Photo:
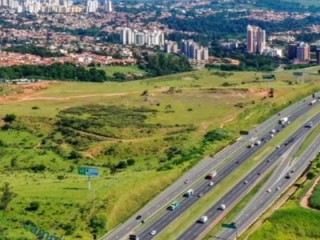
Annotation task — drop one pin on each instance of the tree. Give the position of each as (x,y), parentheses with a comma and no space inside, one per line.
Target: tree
(6,196)
(98,224)
(33,206)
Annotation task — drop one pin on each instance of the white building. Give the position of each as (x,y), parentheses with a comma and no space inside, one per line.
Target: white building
(92,6)
(147,37)
(107,6)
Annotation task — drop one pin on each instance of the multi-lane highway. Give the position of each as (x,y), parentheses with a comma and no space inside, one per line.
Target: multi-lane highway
(198,230)
(202,169)
(164,220)
(269,194)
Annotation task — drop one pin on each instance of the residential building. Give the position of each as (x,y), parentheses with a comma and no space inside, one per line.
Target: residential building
(194,51)
(303,52)
(256,39)
(108,6)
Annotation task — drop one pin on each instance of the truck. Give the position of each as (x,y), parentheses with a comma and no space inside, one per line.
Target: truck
(222,207)
(283,120)
(203,219)
(212,175)
(313,102)
(174,205)
(189,193)
(133,237)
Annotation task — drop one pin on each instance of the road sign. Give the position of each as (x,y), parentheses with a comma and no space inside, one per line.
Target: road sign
(230,226)
(92,172)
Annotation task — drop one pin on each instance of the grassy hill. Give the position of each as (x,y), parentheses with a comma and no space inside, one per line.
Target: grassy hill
(142,135)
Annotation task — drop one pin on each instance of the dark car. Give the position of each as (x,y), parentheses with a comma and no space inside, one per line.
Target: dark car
(138,217)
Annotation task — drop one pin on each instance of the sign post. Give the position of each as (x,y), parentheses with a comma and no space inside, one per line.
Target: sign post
(90,172)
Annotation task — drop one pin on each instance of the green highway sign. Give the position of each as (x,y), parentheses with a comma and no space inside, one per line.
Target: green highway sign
(231,225)
(93,172)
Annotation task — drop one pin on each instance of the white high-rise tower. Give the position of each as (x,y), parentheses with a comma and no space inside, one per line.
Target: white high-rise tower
(92,6)
(108,6)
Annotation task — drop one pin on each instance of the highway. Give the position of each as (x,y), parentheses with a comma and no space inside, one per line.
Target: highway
(164,220)
(200,170)
(198,230)
(264,199)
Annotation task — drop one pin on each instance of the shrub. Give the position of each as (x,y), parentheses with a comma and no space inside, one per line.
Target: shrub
(9,118)
(33,206)
(38,168)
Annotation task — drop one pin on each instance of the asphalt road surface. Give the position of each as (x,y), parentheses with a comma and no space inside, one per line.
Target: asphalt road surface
(269,194)
(197,229)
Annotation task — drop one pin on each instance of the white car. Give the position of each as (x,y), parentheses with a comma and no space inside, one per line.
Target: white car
(278,188)
(186,181)
(153,232)
(210,183)
(269,190)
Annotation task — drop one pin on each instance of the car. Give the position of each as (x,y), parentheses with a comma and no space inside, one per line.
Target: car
(186,181)
(278,147)
(277,188)
(138,217)
(210,183)
(222,207)
(259,173)
(153,232)
(200,194)
(271,135)
(292,170)
(269,190)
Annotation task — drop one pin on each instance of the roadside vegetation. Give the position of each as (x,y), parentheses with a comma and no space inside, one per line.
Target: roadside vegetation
(142,135)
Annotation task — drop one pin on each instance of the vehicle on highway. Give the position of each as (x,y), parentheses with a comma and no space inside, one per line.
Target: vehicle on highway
(271,135)
(210,183)
(153,232)
(277,188)
(189,193)
(289,175)
(200,194)
(245,182)
(133,237)
(251,145)
(273,131)
(203,219)
(138,217)
(212,175)
(186,181)
(222,207)
(309,125)
(278,147)
(174,205)
(257,143)
(283,120)
(313,102)
(269,190)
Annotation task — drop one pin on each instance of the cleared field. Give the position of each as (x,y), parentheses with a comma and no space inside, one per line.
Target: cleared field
(171,117)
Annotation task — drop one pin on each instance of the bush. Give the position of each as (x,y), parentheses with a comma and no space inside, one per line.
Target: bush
(131,162)
(33,206)
(122,165)
(216,135)
(98,224)
(38,168)
(9,118)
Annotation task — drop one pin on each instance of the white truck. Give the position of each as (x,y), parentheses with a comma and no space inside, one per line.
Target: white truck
(222,207)
(189,193)
(313,102)
(203,219)
(283,120)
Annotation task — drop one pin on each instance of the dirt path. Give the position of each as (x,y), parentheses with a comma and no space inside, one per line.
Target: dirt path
(305,200)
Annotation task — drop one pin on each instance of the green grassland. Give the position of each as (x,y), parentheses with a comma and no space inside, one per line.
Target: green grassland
(142,135)
(315,198)
(292,221)
(110,70)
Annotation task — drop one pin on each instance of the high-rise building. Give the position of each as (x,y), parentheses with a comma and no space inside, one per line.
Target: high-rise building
(292,51)
(171,47)
(92,6)
(193,50)
(256,39)
(303,52)
(148,38)
(107,6)
(318,55)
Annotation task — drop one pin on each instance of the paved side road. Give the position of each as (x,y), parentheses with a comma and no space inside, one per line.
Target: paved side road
(195,173)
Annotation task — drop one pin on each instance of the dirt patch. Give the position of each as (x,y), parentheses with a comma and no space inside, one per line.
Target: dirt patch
(305,200)
(227,120)
(25,90)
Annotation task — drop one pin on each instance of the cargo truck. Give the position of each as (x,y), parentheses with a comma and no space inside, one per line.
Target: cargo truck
(189,193)
(212,175)
(283,120)
(313,102)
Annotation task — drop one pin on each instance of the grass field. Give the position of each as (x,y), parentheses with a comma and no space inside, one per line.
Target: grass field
(110,70)
(167,141)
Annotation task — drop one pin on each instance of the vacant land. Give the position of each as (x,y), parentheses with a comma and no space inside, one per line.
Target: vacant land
(142,135)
